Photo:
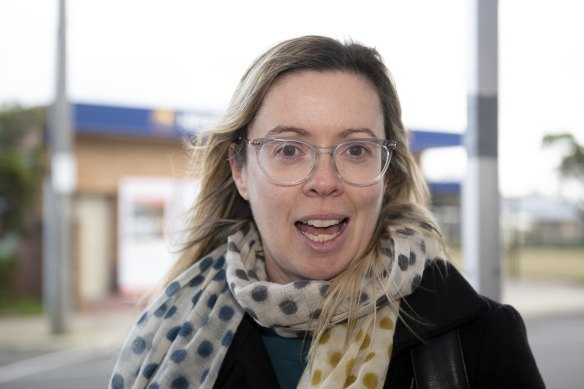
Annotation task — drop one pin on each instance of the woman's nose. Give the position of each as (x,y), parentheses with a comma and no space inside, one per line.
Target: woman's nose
(324,179)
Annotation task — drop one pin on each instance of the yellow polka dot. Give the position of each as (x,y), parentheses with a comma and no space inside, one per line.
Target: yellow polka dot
(316,377)
(386,323)
(369,357)
(334,358)
(349,367)
(359,336)
(370,380)
(325,337)
(366,342)
(350,380)
(390,350)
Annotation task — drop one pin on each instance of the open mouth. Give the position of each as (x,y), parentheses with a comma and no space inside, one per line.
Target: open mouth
(321,230)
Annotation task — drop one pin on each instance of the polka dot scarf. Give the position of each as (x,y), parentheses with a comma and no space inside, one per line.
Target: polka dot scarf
(180,341)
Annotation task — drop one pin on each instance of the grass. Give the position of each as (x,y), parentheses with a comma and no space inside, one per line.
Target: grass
(540,262)
(19,306)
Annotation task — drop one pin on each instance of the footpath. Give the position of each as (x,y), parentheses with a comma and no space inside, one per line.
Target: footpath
(103,326)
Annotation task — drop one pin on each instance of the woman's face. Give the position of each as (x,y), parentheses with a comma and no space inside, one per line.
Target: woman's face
(323,108)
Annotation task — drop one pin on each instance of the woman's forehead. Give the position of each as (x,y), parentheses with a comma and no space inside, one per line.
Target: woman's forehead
(311,102)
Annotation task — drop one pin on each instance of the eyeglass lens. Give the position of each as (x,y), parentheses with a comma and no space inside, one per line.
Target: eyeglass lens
(289,162)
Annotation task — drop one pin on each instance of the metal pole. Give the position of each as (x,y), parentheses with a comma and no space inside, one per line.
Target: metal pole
(57,198)
(480,201)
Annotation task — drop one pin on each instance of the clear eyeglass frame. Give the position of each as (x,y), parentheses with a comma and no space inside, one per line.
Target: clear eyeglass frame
(388,146)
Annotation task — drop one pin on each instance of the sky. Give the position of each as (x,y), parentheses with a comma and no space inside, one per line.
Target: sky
(185,54)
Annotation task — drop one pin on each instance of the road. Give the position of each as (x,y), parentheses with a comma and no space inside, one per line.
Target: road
(558,345)
(557,342)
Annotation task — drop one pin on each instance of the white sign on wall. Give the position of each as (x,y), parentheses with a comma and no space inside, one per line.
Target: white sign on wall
(152,213)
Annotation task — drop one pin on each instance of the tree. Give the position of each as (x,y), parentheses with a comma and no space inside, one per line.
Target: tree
(572,164)
(21,131)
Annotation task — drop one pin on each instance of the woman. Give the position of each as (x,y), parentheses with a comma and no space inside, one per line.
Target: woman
(312,261)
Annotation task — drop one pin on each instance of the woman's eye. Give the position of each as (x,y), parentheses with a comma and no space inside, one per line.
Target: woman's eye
(356,150)
(289,150)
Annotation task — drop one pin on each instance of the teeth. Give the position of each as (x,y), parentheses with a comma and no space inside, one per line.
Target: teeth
(321,237)
(322,223)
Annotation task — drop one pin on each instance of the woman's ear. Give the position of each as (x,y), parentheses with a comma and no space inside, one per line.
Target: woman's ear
(238,172)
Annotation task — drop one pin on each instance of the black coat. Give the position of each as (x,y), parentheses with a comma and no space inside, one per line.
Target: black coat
(493,336)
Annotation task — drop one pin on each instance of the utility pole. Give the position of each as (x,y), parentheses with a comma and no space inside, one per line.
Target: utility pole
(58,190)
(480,201)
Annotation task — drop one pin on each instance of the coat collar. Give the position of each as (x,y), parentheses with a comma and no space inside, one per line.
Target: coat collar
(443,301)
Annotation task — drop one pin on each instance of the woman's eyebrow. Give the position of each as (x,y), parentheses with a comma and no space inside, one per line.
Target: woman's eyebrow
(279,130)
(351,131)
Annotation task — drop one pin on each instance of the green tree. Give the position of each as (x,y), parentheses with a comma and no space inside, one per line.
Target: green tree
(572,163)
(21,131)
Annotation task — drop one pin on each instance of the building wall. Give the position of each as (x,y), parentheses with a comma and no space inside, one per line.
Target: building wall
(101,163)
(95,248)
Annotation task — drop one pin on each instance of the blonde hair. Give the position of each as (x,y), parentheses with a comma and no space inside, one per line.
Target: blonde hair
(220,211)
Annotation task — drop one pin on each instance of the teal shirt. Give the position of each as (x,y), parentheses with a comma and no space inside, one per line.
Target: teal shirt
(288,357)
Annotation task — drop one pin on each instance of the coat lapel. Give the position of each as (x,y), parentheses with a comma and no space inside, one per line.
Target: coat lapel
(443,301)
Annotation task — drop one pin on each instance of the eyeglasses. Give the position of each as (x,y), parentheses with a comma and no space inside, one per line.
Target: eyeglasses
(358,162)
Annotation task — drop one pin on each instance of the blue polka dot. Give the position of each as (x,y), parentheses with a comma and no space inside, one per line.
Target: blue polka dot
(381,301)
(172,288)
(412,258)
(289,307)
(205,263)
(117,382)
(198,280)
(171,312)
(416,282)
(301,284)
(196,297)
(259,293)
(406,231)
(138,345)
(180,383)
(212,300)
(178,356)
(204,376)
(186,329)
(241,274)
(232,247)
(220,276)
(172,333)
(226,313)
(227,339)
(142,318)
(149,370)
(363,297)
(403,262)
(316,313)
(161,310)
(220,262)
(205,349)
(205,321)
(153,385)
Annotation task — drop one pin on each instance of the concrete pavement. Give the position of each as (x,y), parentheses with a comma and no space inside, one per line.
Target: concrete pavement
(102,326)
